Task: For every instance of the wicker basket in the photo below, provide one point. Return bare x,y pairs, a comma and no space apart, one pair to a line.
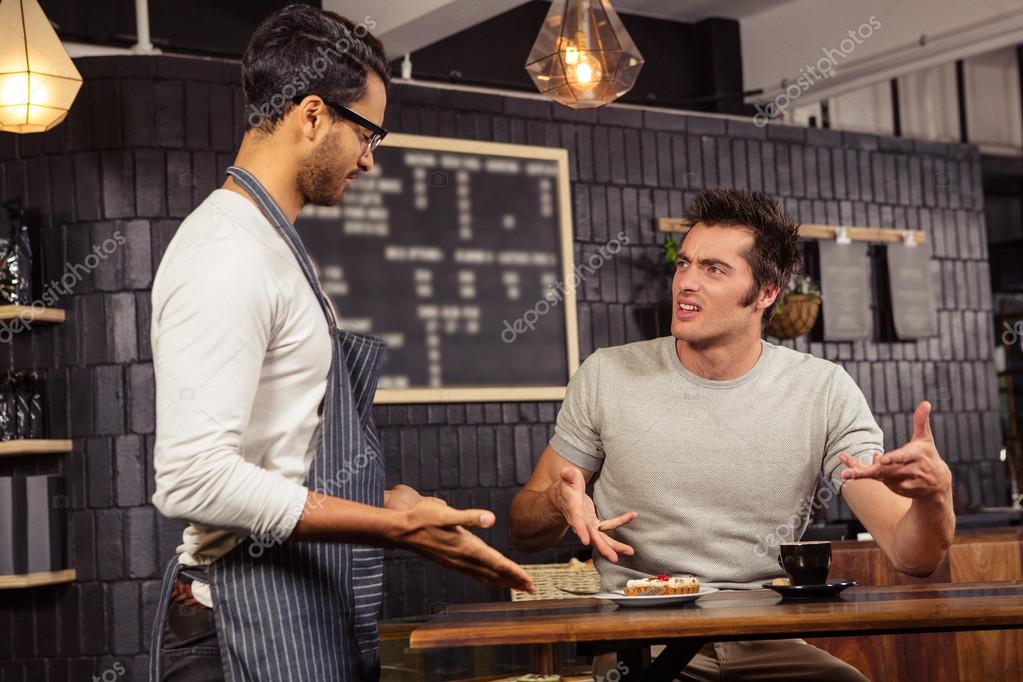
796,317
547,578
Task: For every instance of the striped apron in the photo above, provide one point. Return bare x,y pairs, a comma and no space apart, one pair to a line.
296,610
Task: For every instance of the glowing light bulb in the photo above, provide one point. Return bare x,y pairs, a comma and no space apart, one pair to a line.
582,70
14,89
586,74
583,74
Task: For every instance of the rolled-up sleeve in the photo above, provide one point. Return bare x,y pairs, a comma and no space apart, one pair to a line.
577,431
851,427
213,318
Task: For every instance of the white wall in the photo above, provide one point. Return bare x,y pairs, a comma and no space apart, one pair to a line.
993,101
929,105
779,41
866,110
801,115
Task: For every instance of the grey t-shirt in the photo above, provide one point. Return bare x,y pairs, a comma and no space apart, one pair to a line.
720,472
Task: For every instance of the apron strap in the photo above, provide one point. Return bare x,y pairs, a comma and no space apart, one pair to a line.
170,574
273,212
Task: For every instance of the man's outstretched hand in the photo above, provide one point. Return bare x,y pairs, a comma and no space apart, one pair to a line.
441,533
569,497
915,470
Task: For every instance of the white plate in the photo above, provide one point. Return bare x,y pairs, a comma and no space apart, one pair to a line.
654,599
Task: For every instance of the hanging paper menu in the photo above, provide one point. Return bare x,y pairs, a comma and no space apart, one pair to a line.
845,291
909,274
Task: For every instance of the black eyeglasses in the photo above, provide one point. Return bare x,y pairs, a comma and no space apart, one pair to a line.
344,112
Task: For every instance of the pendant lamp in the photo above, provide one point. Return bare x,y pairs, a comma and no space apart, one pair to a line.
583,57
38,80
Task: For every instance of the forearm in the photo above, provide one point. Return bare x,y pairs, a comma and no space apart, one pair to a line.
923,535
333,519
536,523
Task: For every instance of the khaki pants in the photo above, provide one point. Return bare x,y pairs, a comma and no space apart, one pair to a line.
771,659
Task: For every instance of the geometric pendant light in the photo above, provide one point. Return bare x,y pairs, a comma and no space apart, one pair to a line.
38,80
583,57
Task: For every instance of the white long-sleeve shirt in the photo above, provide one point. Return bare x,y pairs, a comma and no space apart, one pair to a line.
241,352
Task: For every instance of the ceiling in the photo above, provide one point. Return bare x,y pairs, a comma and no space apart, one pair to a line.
694,10
779,37
408,25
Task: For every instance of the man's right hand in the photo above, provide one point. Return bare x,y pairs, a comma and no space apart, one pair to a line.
440,533
568,495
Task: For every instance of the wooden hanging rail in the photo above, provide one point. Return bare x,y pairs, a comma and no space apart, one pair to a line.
30,314
19,581
815,231
34,446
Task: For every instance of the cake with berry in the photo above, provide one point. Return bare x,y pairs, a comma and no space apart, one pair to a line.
662,585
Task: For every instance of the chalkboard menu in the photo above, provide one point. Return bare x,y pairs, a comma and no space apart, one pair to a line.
458,254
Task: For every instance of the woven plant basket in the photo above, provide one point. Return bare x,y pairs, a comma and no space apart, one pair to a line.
796,317
547,578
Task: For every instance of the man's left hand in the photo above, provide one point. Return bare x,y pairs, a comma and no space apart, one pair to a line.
915,470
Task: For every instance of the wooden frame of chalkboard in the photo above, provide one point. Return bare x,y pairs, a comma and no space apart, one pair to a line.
560,190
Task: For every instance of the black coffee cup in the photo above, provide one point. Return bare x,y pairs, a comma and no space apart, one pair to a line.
806,563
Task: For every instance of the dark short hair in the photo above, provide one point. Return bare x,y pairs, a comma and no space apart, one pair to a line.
775,255
301,50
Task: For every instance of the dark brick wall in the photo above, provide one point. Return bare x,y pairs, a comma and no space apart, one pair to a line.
144,143
148,139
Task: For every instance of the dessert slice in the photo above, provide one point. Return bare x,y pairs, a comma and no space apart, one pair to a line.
662,585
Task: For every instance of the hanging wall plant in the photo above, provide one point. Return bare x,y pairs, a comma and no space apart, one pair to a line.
797,310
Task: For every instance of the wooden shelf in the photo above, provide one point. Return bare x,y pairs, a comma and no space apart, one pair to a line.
31,315
15,582
813,231
35,446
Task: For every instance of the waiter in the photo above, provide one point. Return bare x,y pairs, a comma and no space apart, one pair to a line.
264,439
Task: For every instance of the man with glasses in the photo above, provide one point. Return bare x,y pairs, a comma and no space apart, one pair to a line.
264,440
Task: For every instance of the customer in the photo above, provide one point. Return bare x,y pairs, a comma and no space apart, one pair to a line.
264,440
704,443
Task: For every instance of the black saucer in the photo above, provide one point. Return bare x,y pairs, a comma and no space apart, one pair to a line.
828,590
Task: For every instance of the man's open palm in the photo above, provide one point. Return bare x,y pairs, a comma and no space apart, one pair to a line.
571,499
915,470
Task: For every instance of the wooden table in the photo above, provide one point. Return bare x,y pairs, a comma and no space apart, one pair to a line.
724,616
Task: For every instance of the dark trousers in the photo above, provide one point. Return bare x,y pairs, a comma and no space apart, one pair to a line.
190,651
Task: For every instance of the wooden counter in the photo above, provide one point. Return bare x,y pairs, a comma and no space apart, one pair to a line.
935,657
